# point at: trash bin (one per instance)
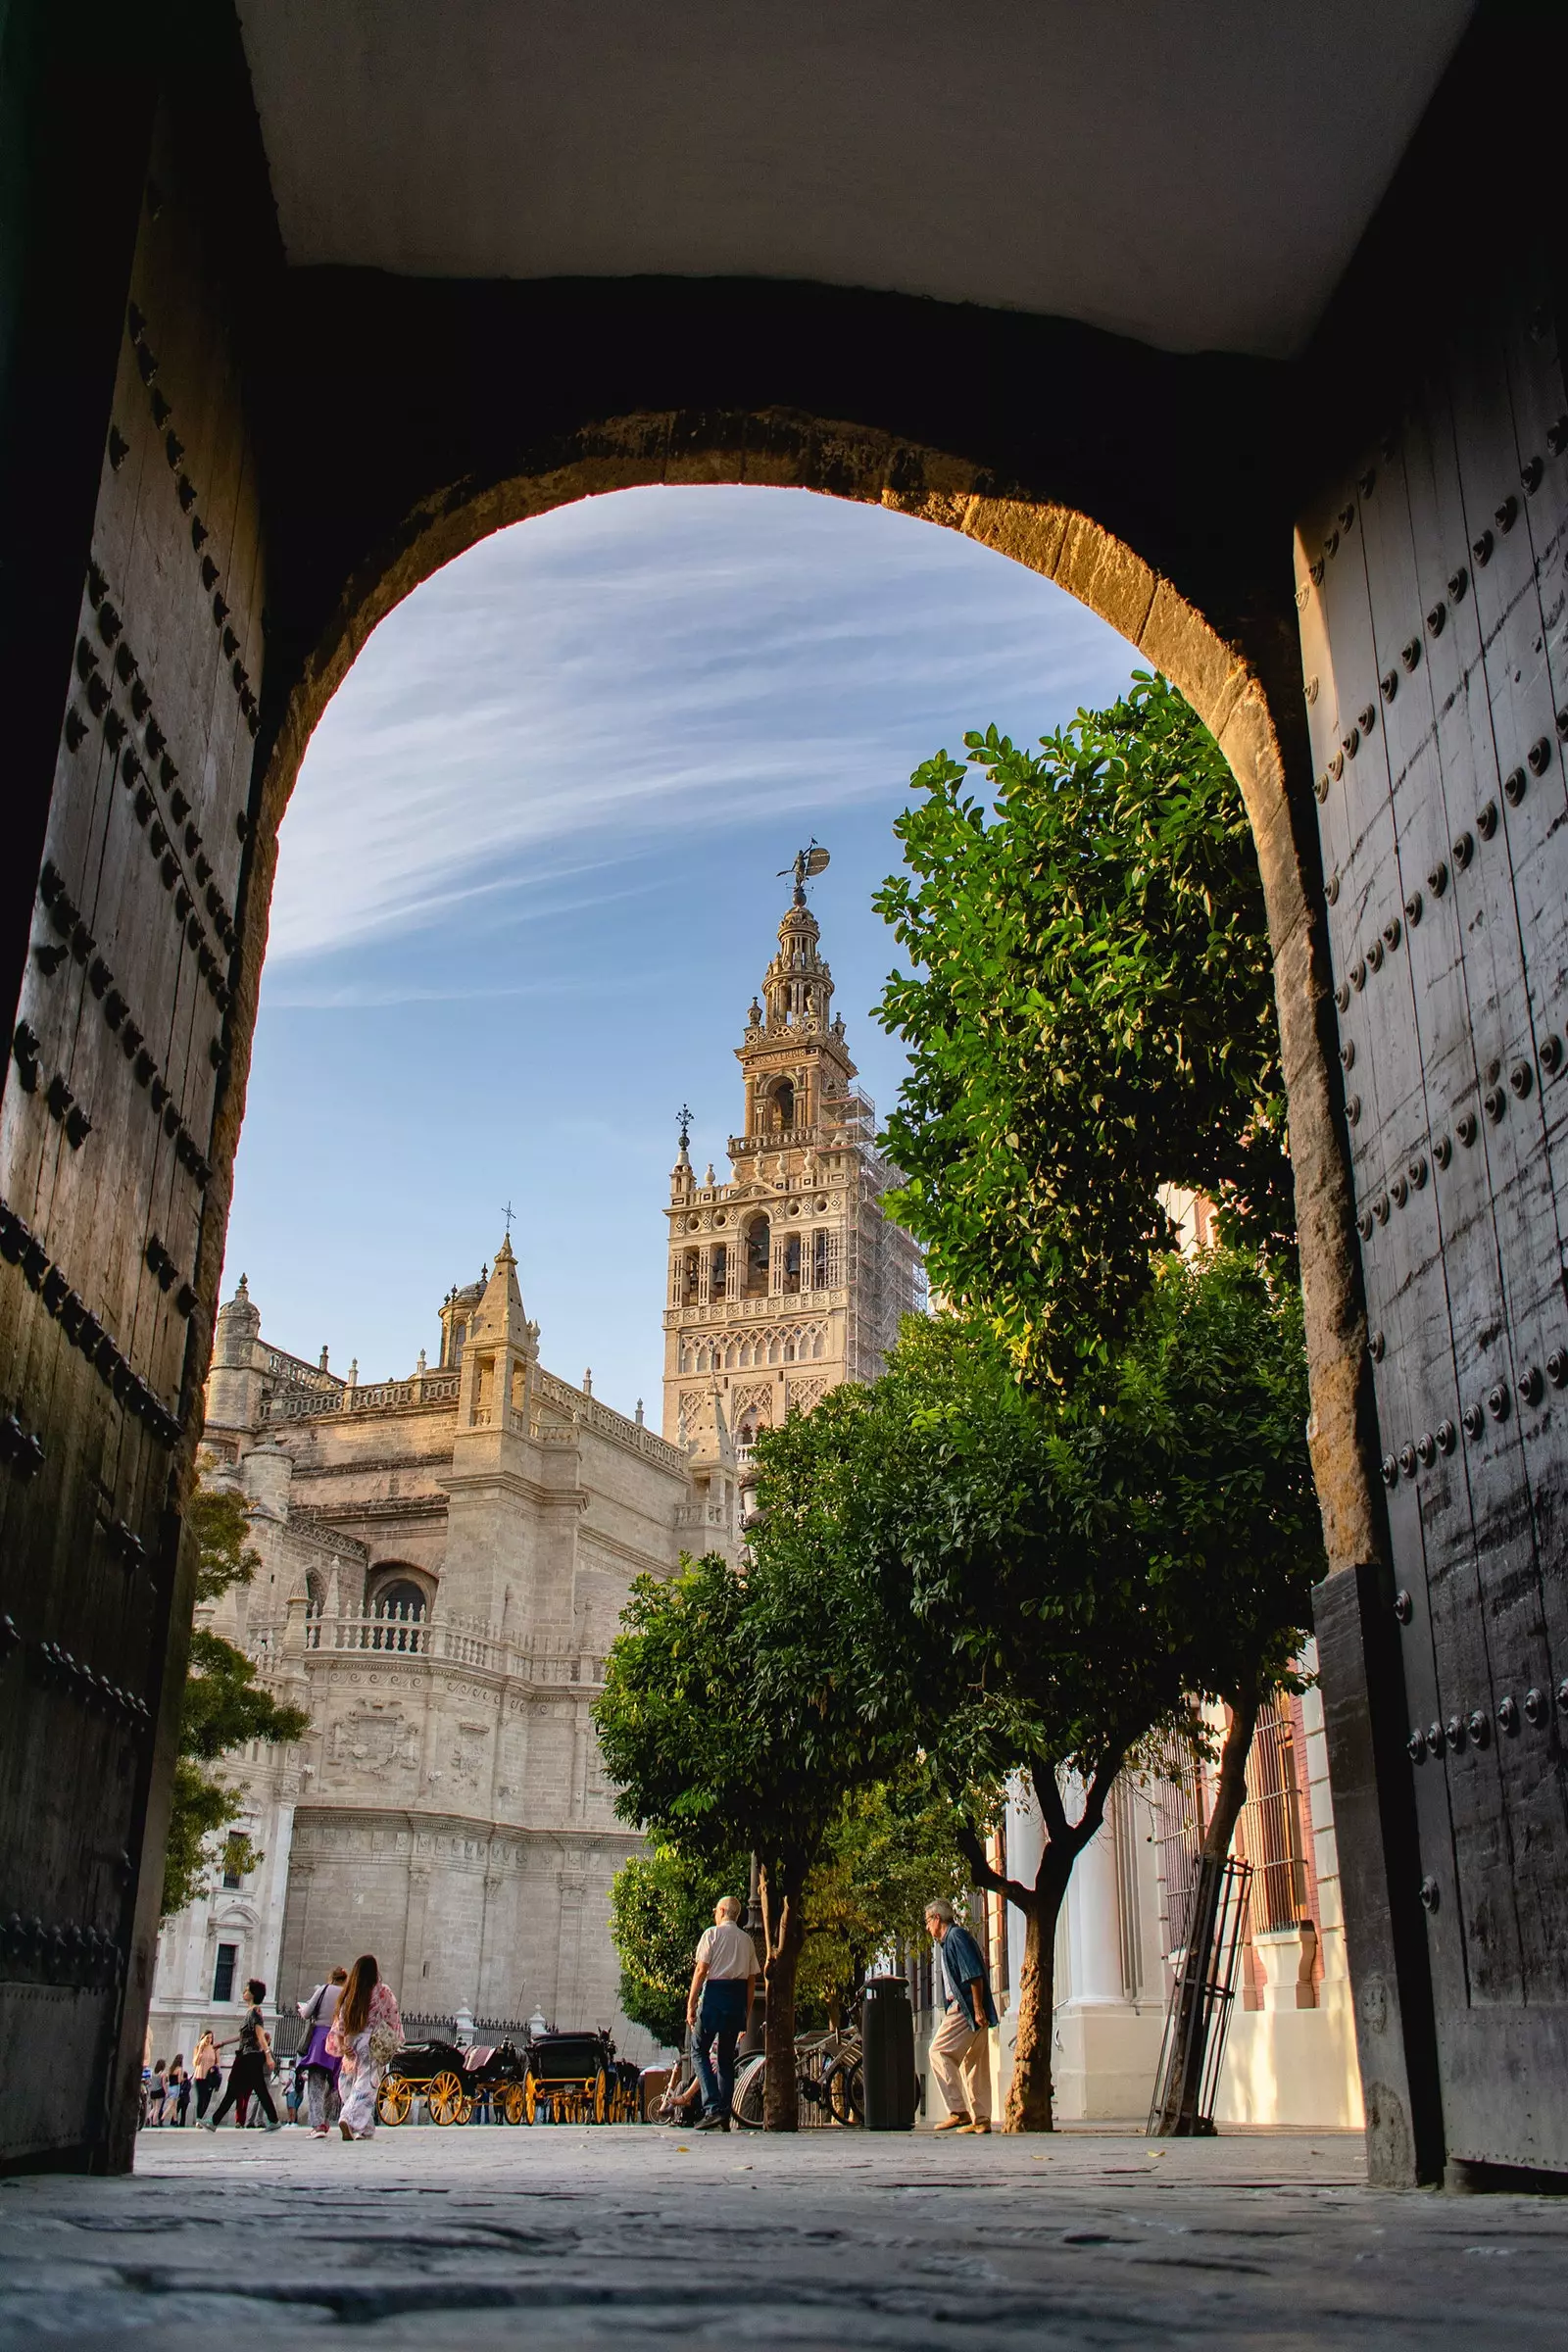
(887, 2039)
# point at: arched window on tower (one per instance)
(784, 1103)
(758, 1257)
(792, 1262)
(820, 1260)
(691, 1278)
(718, 1271)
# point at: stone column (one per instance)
(1108, 2048)
(1094, 1920)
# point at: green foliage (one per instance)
(223, 1537)
(892, 1850)
(659, 1903)
(1091, 1014)
(739, 1706)
(1081, 1563)
(222, 1708)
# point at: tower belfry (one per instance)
(788, 1279)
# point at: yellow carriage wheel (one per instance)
(530, 2099)
(466, 2111)
(444, 2098)
(515, 2103)
(601, 2098)
(393, 2100)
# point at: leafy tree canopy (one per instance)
(659, 1903)
(222, 1707)
(1062, 1571)
(890, 1851)
(1089, 1016)
(739, 1707)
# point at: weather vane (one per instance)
(685, 1117)
(808, 863)
(509, 1212)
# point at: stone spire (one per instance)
(501, 1350)
(681, 1179)
(499, 1315)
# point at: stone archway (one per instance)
(785, 450)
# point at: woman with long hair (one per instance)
(366, 2033)
(316, 2063)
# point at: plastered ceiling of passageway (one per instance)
(1194, 173)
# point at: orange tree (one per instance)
(1089, 1014)
(741, 1705)
(1061, 1573)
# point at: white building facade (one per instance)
(443, 1564)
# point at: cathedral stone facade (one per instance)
(444, 1560)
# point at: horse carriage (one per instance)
(577, 2078)
(450, 2079)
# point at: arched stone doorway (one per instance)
(215, 488)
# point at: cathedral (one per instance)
(444, 1559)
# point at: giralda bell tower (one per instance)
(788, 1279)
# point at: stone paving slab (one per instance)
(627, 2238)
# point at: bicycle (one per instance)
(829, 2082)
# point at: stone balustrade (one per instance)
(422, 1388)
(441, 1637)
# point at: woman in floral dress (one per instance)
(365, 2034)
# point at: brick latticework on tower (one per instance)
(788, 1279)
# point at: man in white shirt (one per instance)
(717, 2007)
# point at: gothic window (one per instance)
(784, 1103)
(718, 1271)
(460, 1332)
(758, 1251)
(792, 1262)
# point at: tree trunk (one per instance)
(784, 1926)
(1030, 2093)
(1179, 2113)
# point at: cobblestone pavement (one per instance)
(557, 2238)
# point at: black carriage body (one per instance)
(422, 2061)
(574, 2059)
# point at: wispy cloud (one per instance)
(527, 888)
(487, 739)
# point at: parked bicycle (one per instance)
(829, 2082)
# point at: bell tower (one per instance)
(787, 1279)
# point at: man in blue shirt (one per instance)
(960, 2047)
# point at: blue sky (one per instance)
(527, 887)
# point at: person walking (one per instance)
(320, 2065)
(365, 2033)
(717, 2007)
(253, 2060)
(156, 2091)
(206, 2071)
(178, 2094)
(960, 2047)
